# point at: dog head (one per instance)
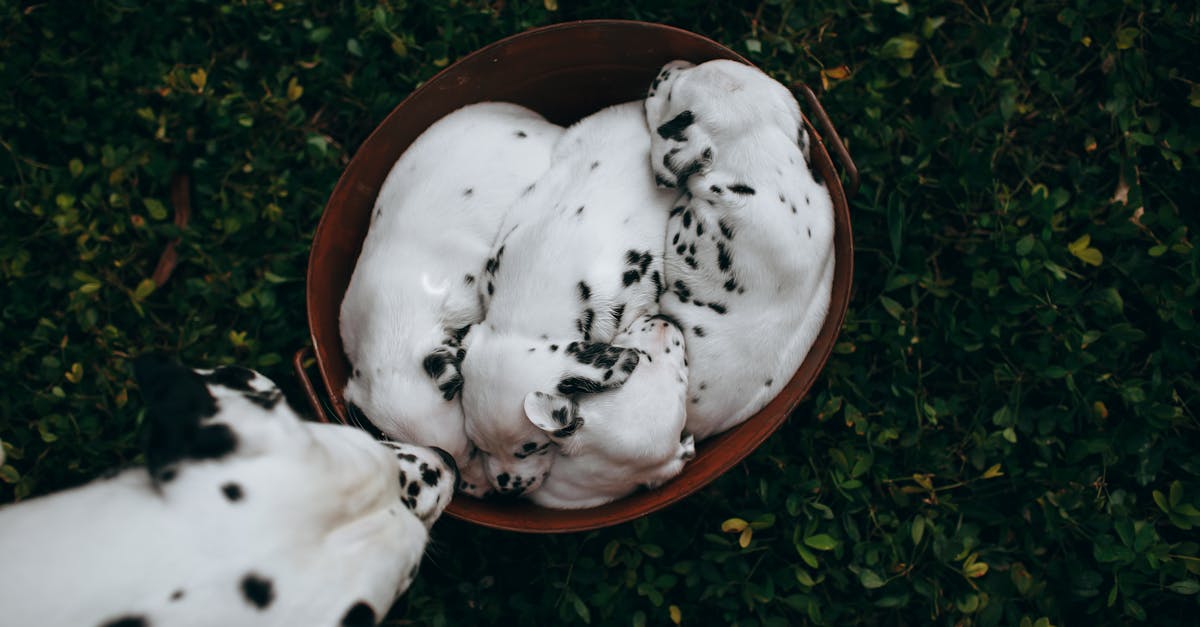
(694, 111)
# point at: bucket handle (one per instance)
(830, 138)
(310, 390)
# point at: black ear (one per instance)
(176, 402)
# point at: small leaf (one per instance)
(870, 579)
(734, 525)
(145, 288)
(1082, 249)
(900, 47)
(676, 614)
(581, 609)
(8, 474)
(353, 47)
(1186, 586)
(821, 542)
(992, 472)
(294, 90)
(1025, 245)
(744, 539)
(975, 570)
(199, 78)
(155, 208)
(893, 308)
(75, 374)
(1126, 37)
(610, 552)
(551, 5)
(753, 45)
(1175, 494)
(1161, 500)
(804, 578)
(918, 529)
(652, 550)
(75, 167)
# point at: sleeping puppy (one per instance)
(629, 437)
(749, 250)
(413, 296)
(243, 515)
(579, 258)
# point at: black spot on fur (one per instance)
(232, 491)
(528, 446)
(724, 259)
(521, 134)
(679, 250)
(595, 164)
(629, 278)
(560, 415)
(617, 313)
(768, 382)
(810, 231)
(584, 323)
(579, 385)
(266, 400)
(553, 347)
(430, 475)
(579, 210)
(691, 262)
(568, 430)
(726, 230)
(687, 218)
(585, 292)
(127, 621)
(682, 176)
(232, 377)
(176, 402)
(414, 489)
(662, 181)
(676, 211)
(716, 189)
(682, 291)
(359, 615)
(529, 189)
(731, 285)
(451, 387)
(675, 239)
(699, 228)
(435, 363)
(503, 479)
(468, 191)
(698, 330)
(656, 278)
(177, 595)
(629, 365)
(781, 197)
(793, 208)
(468, 279)
(491, 289)
(717, 307)
(258, 590)
(742, 189)
(806, 201)
(673, 128)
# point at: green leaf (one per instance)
(869, 579)
(893, 308)
(353, 47)
(1126, 37)
(1160, 499)
(918, 529)
(1082, 249)
(155, 208)
(821, 542)
(8, 474)
(900, 47)
(1025, 245)
(144, 289)
(1185, 586)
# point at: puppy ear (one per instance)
(442, 366)
(595, 366)
(557, 415)
(177, 400)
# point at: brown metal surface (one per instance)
(310, 390)
(832, 137)
(564, 72)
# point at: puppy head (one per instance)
(517, 388)
(695, 110)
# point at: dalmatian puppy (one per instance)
(412, 295)
(629, 437)
(749, 250)
(243, 515)
(580, 257)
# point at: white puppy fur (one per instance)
(630, 437)
(244, 515)
(749, 250)
(413, 291)
(580, 255)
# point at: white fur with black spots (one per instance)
(629, 437)
(749, 248)
(580, 255)
(243, 515)
(413, 292)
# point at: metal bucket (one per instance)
(565, 72)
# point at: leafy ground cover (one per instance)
(1007, 433)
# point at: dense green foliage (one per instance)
(1007, 433)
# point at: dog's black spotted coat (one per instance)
(127, 621)
(359, 615)
(177, 404)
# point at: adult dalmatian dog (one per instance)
(630, 437)
(579, 259)
(749, 250)
(243, 515)
(413, 292)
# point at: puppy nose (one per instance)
(449, 459)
